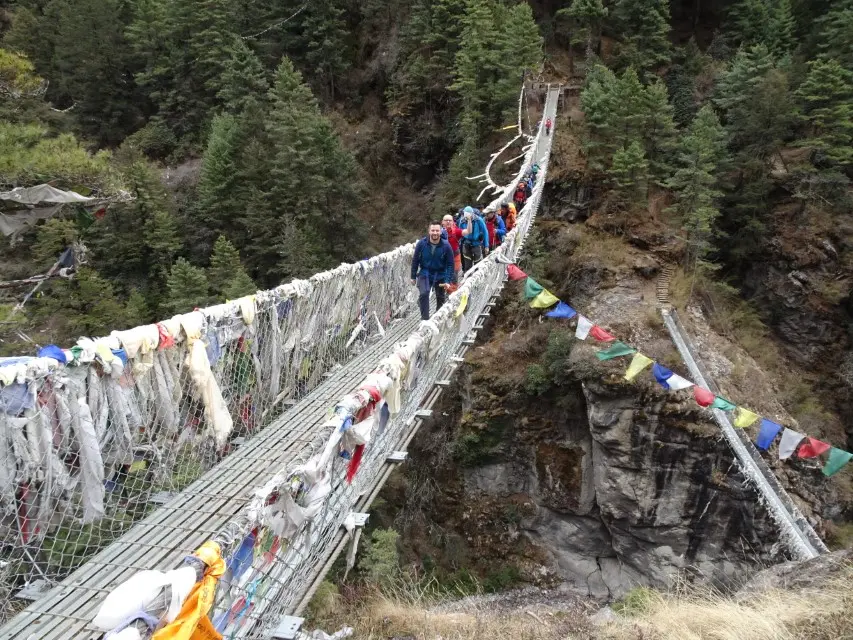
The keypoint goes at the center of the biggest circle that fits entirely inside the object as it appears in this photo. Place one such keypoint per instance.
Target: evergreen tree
(630, 171)
(136, 310)
(326, 43)
(187, 288)
(184, 70)
(826, 99)
(694, 182)
(644, 28)
(588, 15)
(766, 22)
(162, 241)
(834, 33)
(244, 80)
(219, 190)
(659, 131)
(226, 274)
(96, 67)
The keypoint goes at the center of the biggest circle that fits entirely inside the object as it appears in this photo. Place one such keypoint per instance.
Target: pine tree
(834, 33)
(226, 274)
(781, 28)
(659, 130)
(136, 309)
(326, 43)
(187, 288)
(96, 67)
(698, 159)
(244, 79)
(219, 190)
(826, 99)
(765, 22)
(184, 72)
(588, 15)
(644, 28)
(630, 171)
(161, 239)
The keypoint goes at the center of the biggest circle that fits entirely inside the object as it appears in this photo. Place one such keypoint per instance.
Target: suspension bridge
(234, 424)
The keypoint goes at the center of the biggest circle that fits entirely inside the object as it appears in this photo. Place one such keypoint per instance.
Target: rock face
(596, 483)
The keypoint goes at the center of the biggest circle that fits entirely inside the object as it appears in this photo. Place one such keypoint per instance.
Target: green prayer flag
(616, 349)
(837, 459)
(722, 403)
(532, 288)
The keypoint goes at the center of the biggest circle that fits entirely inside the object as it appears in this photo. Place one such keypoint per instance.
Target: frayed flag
(837, 459)
(704, 398)
(544, 300)
(532, 288)
(562, 310)
(600, 334)
(744, 418)
(584, 327)
(514, 273)
(662, 374)
(767, 434)
(722, 404)
(677, 383)
(812, 448)
(788, 443)
(616, 349)
(638, 363)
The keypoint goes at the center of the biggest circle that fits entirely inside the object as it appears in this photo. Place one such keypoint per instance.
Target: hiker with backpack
(475, 244)
(432, 268)
(548, 127)
(520, 195)
(496, 228)
(509, 214)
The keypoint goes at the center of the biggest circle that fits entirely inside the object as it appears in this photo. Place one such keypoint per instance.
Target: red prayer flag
(600, 334)
(704, 398)
(354, 463)
(514, 273)
(812, 448)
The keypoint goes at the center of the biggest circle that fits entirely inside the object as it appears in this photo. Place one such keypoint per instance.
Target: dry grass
(823, 613)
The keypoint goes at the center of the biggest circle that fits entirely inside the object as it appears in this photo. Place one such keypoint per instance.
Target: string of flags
(791, 442)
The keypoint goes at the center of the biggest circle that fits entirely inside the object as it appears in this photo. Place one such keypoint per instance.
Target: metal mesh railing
(89, 448)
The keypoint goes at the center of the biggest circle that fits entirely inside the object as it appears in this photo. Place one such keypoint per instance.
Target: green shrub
(380, 563)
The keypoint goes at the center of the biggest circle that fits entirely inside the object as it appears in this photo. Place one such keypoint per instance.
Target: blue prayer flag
(562, 310)
(768, 432)
(662, 374)
(52, 351)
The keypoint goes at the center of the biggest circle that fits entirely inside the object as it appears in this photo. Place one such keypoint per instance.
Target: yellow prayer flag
(544, 300)
(463, 302)
(638, 363)
(744, 417)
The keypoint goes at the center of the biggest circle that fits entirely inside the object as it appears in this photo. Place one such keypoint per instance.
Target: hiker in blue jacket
(432, 267)
(476, 243)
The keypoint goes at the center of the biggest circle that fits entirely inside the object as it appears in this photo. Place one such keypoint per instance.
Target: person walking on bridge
(476, 242)
(454, 237)
(548, 127)
(432, 268)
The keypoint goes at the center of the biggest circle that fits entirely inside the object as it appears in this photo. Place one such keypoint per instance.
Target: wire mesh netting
(228, 424)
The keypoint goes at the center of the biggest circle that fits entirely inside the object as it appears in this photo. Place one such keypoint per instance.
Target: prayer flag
(544, 300)
(788, 443)
(837, 459)
(600, 334)
(532, 288)
(661, 374)
(638, 363)
(812, 448)
(677, 383)
(514, 273)
(723, 404)
(562, 310)
(616, 349)
(744, 418)
(767, 434)
(463, 302)
(704, 398)
(584, 326)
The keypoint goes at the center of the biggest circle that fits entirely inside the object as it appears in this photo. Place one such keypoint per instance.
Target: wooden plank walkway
(176, 529)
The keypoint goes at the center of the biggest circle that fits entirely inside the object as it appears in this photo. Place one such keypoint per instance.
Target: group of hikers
(453, 246)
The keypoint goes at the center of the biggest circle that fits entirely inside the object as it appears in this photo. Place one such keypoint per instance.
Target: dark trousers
(424, 285)
(471, 255)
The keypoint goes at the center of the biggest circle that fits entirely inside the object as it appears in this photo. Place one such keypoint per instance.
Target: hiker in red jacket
(548, 127)
(454, 237)
(520, 196)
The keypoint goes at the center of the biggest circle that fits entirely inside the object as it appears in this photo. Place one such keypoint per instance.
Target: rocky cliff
(545, 466)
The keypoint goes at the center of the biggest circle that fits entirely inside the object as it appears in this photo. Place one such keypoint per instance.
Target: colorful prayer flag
(514, 273)
(744, 418)
(562, 310)
(638, 363)
(837, 459)
(661, 374)
(463, 302)
(704, 398)
(616, 349)
(600, 334)
(767, 434)
(677, 383)
(722, 404)
(584, 327)
(532, 288)
(812, 448)
(788, 443)
(544, 300)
